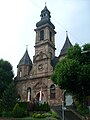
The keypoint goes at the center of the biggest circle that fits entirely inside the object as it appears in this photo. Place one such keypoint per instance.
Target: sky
(18, 20)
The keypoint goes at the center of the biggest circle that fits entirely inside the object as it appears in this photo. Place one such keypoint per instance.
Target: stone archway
(39, 98)
(40, 87)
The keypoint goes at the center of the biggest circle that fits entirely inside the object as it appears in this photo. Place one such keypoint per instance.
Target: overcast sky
(18, 20)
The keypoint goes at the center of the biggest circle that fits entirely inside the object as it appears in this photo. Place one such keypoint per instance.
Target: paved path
(69, 115)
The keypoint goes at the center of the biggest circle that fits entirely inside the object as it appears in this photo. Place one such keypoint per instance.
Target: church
(33, 78)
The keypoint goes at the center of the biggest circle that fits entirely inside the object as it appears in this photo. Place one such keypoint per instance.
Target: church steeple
(66, 46)
(45, 13)
(45, 18)
(45, 34)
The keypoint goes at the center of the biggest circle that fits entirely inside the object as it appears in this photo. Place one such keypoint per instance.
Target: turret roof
(65, 47)
(25, 60)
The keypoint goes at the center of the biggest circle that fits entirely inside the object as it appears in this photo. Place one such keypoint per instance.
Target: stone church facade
(35, 77)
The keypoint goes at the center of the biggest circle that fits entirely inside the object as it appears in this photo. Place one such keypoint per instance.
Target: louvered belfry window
(52, 92)
(42, 35)
(50, 34)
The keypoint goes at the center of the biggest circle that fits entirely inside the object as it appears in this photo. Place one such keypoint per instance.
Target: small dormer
(24, 66)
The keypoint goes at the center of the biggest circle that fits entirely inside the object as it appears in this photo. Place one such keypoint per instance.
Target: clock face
(40, 67)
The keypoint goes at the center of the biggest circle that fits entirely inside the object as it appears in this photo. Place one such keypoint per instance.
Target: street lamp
(63, 108)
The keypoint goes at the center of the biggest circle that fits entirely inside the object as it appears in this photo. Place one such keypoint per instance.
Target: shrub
(43, 115)
(42, 107)
(83, 110)
(9, 97)
(6, 114)
(46, 107)
(50, 118)
(38, 115)
(54, 115)
(24, 105)
(27, 106)
(36, 107)
(31, 106)
(18, 111)
(1, 108)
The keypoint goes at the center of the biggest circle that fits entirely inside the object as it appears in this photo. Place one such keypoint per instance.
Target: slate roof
(65, 47)
(54, 61)
(25, 60)
(45, 18)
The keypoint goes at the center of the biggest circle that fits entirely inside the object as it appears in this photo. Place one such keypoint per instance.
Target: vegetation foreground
(30, 111)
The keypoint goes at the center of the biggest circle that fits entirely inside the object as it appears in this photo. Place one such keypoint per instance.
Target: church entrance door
(39, 97)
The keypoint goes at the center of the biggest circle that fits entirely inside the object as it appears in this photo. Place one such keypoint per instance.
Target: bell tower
(45, 35)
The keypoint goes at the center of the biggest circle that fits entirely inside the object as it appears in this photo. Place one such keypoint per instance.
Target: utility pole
(63, 110)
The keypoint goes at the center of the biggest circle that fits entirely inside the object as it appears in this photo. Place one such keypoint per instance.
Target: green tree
(85, 59)
(9, 97)
(73, 72)
(6, 75)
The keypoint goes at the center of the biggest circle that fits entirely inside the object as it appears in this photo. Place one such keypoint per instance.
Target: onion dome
(45, 18)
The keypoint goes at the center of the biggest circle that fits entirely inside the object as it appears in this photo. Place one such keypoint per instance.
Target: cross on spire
(27, 47)
(45, 3)
(66, 33)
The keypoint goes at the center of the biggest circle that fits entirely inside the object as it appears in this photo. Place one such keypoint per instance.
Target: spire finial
(66, 33)
(27, 47)
(45, 3)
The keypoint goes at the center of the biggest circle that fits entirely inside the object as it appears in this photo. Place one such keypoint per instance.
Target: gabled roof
(65, 47)
(25, 60)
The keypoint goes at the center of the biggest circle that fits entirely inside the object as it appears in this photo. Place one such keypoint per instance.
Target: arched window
(50, 35)
(42, 35)
(28, 94)
(19, 98)
(52, 91)
(20, 73)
